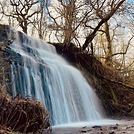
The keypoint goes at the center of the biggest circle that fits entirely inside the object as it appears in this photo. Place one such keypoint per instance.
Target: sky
(131, 0)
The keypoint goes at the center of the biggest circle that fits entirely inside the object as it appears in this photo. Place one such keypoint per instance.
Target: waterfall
(41, 73)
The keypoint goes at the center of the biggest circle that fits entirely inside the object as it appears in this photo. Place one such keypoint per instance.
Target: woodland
(95, 36)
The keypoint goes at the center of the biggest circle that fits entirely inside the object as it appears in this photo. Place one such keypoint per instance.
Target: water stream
(41, 73)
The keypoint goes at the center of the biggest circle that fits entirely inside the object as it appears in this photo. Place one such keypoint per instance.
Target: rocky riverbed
(122, 127)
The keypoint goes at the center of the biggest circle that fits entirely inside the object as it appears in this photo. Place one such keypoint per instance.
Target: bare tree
(64, 22)
(74, 17)
(40, 19)
(104, 11)
(22, 11)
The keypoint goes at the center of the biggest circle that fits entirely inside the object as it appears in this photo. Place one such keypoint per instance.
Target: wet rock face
(19, 114)
(7, 56)
(4, 30)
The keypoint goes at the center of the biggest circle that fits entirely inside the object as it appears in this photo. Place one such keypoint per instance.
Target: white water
(50, 79)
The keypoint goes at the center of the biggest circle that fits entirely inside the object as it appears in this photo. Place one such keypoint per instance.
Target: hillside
(116, 96)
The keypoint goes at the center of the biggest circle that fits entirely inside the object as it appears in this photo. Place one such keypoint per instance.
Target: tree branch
(103, 18)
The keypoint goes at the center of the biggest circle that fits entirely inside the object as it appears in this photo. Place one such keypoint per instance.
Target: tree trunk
(69, 18)
(108, 56)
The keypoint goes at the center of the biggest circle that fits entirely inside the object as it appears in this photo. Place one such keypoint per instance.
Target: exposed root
(23, 115)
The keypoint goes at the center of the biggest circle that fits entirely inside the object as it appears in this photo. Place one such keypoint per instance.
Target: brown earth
(117, 96)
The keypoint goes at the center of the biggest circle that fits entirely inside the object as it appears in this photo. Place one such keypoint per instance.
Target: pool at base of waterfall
(92, 123)
(105, 126)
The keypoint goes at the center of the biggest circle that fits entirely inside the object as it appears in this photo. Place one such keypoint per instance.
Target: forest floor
(122, 127)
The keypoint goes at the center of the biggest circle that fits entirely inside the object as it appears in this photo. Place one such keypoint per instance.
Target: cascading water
(39, 72)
